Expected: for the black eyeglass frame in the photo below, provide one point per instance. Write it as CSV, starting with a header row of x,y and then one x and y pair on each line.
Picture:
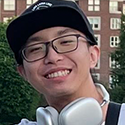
x,y
51,43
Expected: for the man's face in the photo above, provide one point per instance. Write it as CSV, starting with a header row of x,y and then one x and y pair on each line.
x,y
57,74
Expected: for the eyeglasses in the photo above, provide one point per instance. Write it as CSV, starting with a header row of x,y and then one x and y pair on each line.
x,y
63,44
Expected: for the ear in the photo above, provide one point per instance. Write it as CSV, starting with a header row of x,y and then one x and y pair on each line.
x,y
94,55
21,71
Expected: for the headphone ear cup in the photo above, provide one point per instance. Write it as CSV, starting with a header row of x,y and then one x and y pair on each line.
x,y
54,113
43,117
86,111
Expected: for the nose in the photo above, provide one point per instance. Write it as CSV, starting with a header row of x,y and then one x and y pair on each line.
x,y
52,56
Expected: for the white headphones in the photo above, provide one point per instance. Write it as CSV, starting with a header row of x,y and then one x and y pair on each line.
x,y
83,111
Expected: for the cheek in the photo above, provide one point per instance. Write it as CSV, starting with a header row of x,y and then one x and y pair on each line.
x,y
81,56
35,80
81,66
31,71
84,64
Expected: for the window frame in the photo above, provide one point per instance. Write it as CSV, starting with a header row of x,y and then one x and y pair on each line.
x,y
112,7
114,23
112,63
94,20
114,42
9,6
123,10
93,5
30,3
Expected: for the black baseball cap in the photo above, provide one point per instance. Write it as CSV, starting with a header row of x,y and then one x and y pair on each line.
x,y
45,14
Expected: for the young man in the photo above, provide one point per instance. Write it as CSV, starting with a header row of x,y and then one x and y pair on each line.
x,y
55,49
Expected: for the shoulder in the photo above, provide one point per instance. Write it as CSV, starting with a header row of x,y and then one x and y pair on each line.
x,y
27,122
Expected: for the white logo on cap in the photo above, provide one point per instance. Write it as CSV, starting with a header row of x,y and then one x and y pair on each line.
x,y
41,6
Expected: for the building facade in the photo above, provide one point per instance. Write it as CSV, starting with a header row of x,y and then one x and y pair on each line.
x,y
104,17
10,8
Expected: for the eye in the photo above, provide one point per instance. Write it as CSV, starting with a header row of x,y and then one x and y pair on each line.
x,y
35,49
66,42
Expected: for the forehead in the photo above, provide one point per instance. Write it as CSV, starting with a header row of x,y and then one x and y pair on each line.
x,y
51,33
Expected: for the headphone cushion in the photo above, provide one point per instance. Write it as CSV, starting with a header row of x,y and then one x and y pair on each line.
x,y
54,114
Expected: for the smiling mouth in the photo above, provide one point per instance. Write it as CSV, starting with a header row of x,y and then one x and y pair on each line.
x,y
58,74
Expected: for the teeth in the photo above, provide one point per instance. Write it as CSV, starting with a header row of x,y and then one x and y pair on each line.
x,y
58,74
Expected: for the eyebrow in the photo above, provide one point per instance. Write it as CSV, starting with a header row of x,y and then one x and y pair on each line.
x,y
64,31
36,38
32,39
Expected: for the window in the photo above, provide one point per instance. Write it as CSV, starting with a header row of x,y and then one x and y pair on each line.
x,y
29,2
113,7
5,19
98,39
93,5
90,8
97,2
90,2
112,79
9,4
96,76
113,63
114,41
97,8
95,22
115,23
123,8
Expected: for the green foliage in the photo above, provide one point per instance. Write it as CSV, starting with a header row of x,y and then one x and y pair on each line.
x,y
118,94
17,98
2,32
118,85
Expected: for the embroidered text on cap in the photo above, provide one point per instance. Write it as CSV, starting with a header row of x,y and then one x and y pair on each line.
x,y
41,6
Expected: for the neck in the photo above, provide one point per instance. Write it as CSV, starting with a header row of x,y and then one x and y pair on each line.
x,y
88,91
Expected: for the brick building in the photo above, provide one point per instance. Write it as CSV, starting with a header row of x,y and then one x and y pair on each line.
x,y
10,8
104,16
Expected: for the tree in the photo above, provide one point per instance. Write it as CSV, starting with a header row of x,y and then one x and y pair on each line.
x,y
118,73
17,98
